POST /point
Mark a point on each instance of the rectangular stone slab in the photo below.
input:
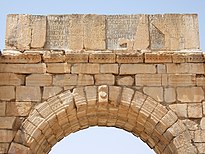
(127, 32)
(174, 31)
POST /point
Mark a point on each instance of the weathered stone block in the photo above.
(91, 95)
(199, 136)
(2, 108)
(202, 123)
(190, 94)
(137, 68)
(115, 94)
(23, 68)
(4, 147)
(53, 56)
(107, 79)
(181, 80)
(148, 80)
(7, 93)
(127, 32)
(76, 57)
(28, 93)
(18, 108)
(174, 31)
(129, 58)
(85, 68)
(102, 58)
(109, 68)
(103, 94)
(194, 110)
(94, 32)
(58, 68)
(7, 122)
(6, 135)
(161, 68)
(126, 98)
(84, 80)
(65, 80)
(18, 149)
(11, 79)
(127, 81)
(169, 95)
(154, 92)
(39, 80)
(180, 109)
(158, 58)
(51, 91)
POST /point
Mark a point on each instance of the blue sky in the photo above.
(98, 140)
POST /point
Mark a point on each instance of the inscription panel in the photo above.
(122, 31)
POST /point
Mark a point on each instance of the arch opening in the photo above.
(109, 106)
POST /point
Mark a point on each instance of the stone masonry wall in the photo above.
(149, 81)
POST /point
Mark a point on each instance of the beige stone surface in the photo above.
(102, 58)
(174, 31)
(161, 68)
(28, 93)
(18, 108)
(103, 94)
(51, 91)
(109, 68)
(38, 29)
(76, 57)
(23, 68)
(39, 80)
(85, 68)
(127, 80)
(65, 80)
(169, 95)
(7, 122)
(148, 80)
(94, 32)
(180, 109)
(154, 92)
(2, 108)
(199, 135)
(129, 58)
(11, 79)
(181, 80)
(115, 94)
(53, 56)
(58, 68)
(107, 79)
(4, 147)
(7, 93)
(91, 95)
(202, 123)
(6, 135)
(190, 94)
(84, 80)
(137, 68)
(18, 149)
(194, 110)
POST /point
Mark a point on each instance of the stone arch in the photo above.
(111, 106)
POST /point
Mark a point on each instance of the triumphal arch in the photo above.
(144, 74)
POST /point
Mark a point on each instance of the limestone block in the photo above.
(51, 91)
(65, 80)
(39, 80)
(138, 101)
(203, 103)
(186, 68)
(2, 108)
(18, 108)
(202, 123)
(53, 56)
(79, 98)
(161, 68)
(18, 32)
(94, 32)
(23, 68)
(4, 147)
(181, 80)
(76, 57)
(85, 68)
(6, 135)
(148, 80)
(200, 80)
(199, 136)
(91, 95)
(154, 92)
(191, 124)
(84, 80)
(174, 31)
(103, 94)
(7, 93)
(107, 79)
(126, 98)
(158, 58)
(127, 32)
(200, 147)
(18, 148)
(169, 95)
(137, 68)
(58, 68)
(28, 93)
(190, 94)
(127, 81)
(7, 122)
(129, 58)
(109, 68)
(194, 110)
(11, 79)
(102, 58)
(179, 109)
(19, 58)
(115, 94)
(38, 29)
